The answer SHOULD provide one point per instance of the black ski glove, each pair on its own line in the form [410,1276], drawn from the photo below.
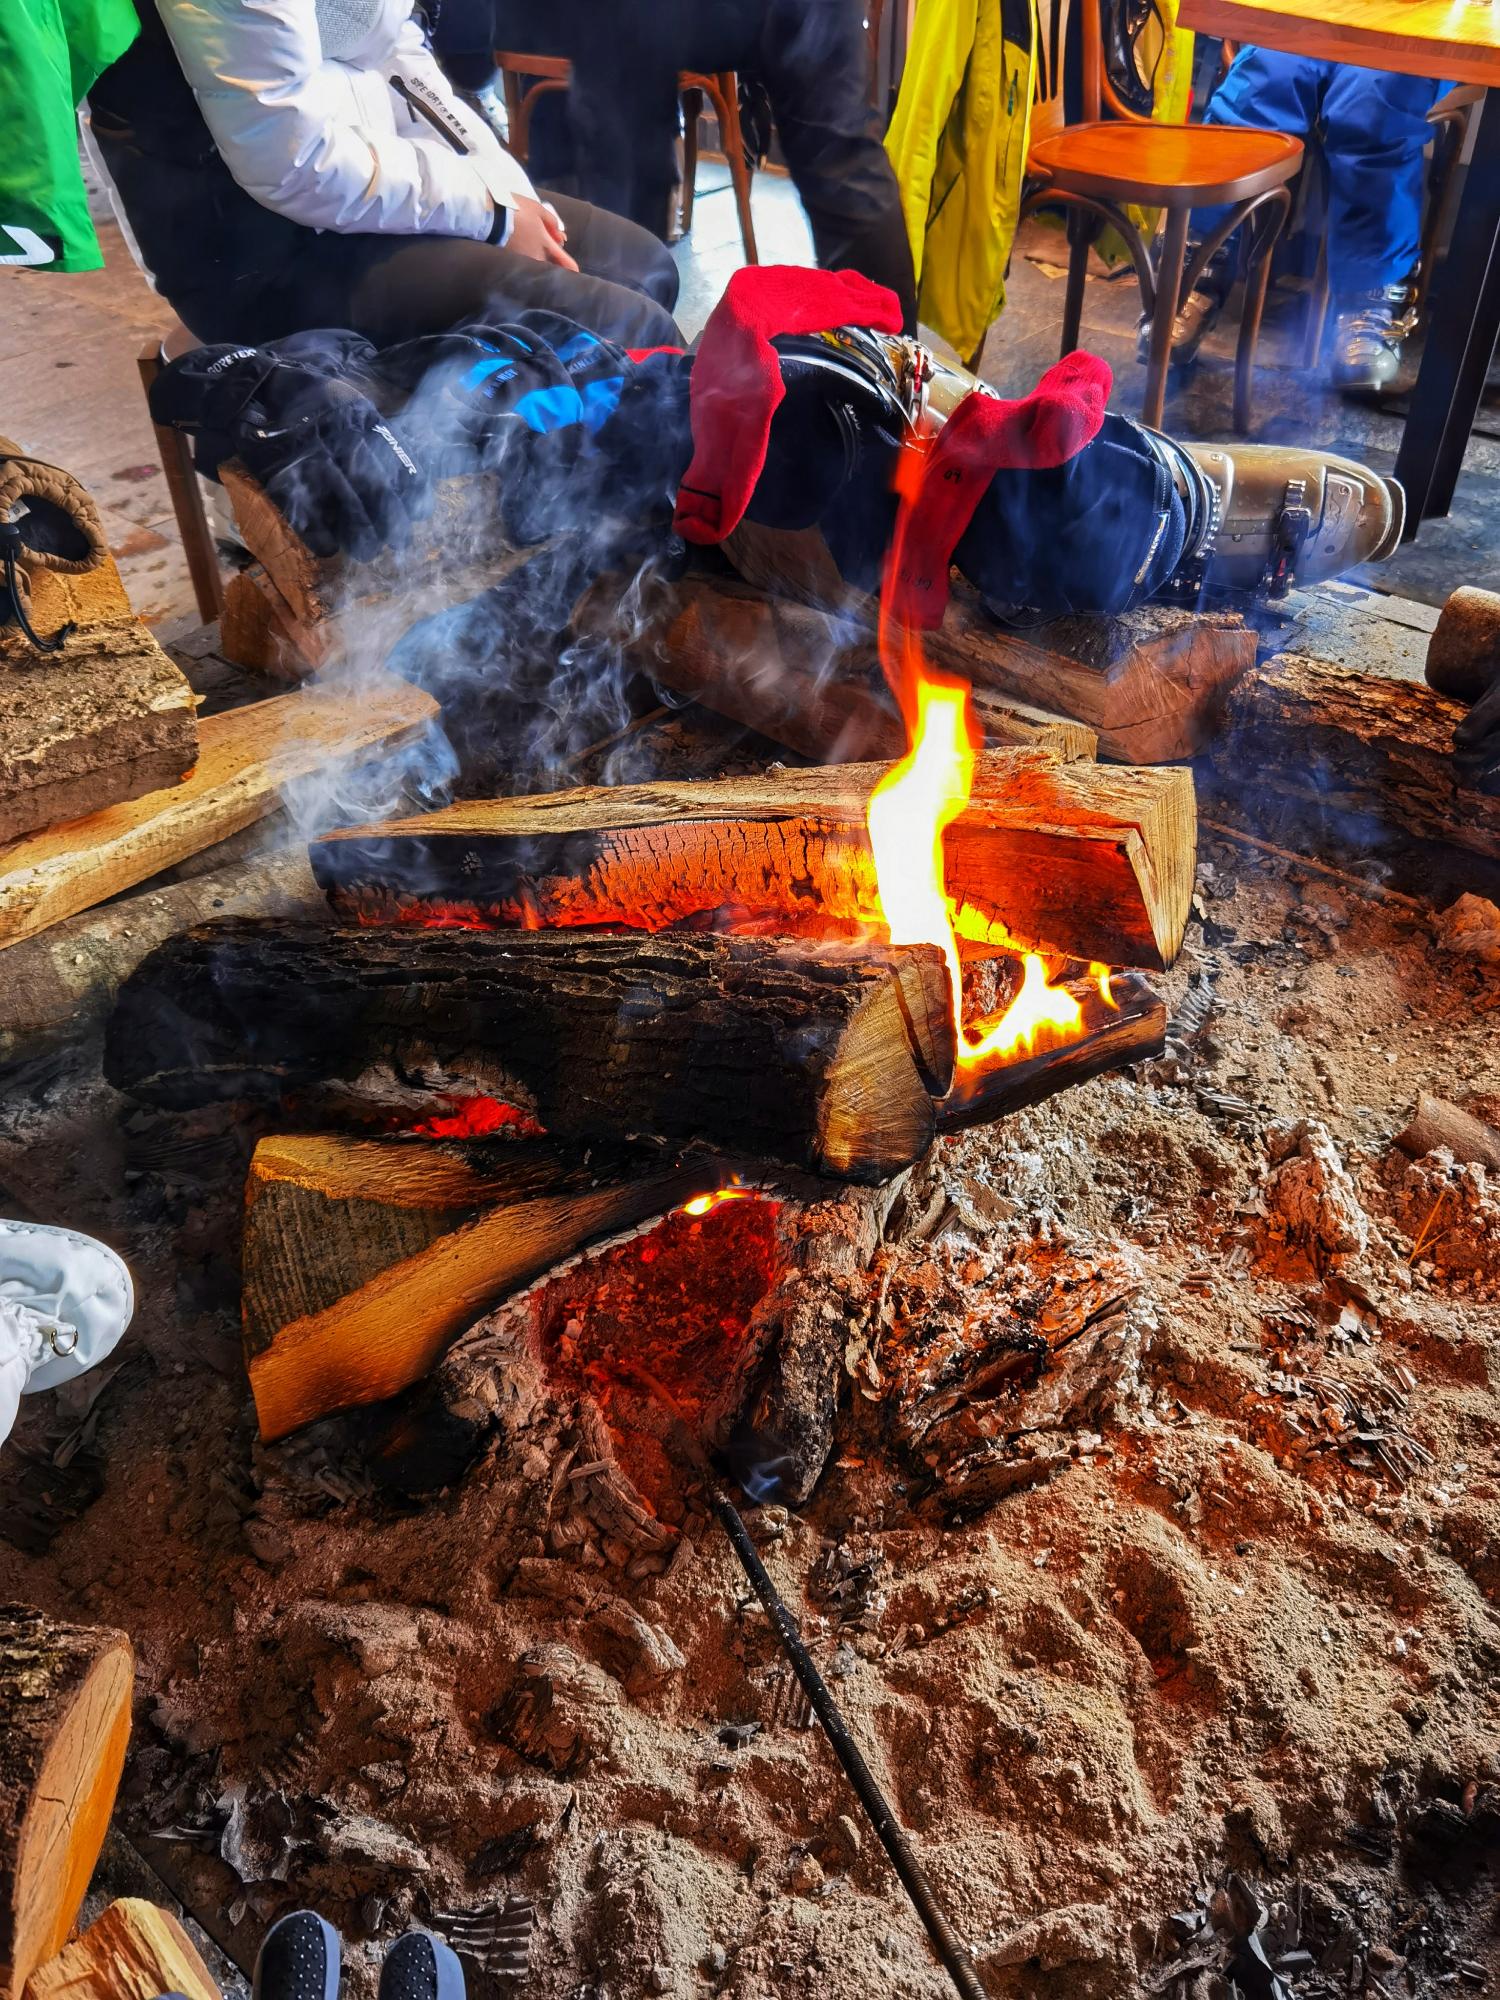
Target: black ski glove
[1476,745]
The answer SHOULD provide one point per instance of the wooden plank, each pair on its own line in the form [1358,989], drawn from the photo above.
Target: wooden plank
[245,759]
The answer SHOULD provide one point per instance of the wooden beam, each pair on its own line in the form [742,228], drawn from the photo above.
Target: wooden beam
[245,759]
[132,1951]
[365,1258]
[804,1053]
[64,1722]
[1077,859]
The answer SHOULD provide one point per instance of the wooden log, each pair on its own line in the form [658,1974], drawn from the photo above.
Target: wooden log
[258,632]
[246,758]
[799,675]
[107,718]
[64,1722]
[132,1951]
[1081,860]
[364,1258]
[1133,1029]
[811,1054]
[1152,682]
[1463,654]
[1436,1122]
[1362,759]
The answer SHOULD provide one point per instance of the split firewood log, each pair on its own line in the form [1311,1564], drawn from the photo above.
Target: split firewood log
[133,1951]
[1436,1122]
[364,1258]
[64,1723]
[812,1054]
[1083,860]
[1463,654]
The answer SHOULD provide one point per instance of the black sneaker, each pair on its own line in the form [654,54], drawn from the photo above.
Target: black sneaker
[421,1967]
[1367,337]
[299,1959]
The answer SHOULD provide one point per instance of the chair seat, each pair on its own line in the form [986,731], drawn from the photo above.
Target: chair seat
[1166,166]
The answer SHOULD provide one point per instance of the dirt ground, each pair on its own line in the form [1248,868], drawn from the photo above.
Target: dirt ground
[1160,1540]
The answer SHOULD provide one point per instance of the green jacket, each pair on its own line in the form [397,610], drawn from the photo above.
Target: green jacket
[51,52]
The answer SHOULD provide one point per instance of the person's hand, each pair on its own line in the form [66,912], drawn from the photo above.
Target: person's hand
[536,231]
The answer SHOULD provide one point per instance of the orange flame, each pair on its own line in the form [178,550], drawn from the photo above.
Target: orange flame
[704,1204]
[913,806]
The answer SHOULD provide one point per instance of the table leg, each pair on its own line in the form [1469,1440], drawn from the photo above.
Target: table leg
[1461,334]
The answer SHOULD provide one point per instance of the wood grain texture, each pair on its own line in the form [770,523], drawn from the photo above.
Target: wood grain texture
[1435,1122]
[64,1722]
[245,758]
[132,1951]
[1370,756]
[364,1259]
[1079,859]
[1458,40]
[1167,165]
[824,1057]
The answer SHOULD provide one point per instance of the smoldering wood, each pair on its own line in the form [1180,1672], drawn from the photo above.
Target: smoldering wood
[800,675]
[131,1951]
[364,1258]
[1363,761]
[1081,860]
[1463,654]
[819,1055]
[1437,1123]
[65,1693]
[1134,1030]
[245,759]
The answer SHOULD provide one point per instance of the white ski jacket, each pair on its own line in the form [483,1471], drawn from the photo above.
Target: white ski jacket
[334,114]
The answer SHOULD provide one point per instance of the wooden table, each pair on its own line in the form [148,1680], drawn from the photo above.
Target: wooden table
[1458,41]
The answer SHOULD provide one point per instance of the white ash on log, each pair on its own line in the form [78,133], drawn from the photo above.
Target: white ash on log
[364,1258]
[64,1724]
[1080,860]
[817,1055]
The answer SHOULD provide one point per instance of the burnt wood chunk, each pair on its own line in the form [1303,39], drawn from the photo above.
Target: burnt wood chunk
[812,1054]
[1081,860]
[1133,1029]
[364,1258]
[64,1722]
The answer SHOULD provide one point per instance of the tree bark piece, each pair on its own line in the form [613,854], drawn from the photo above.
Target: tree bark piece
[107,718]
[1463,654]
[64,1722]
[801,676]
[133,1951]
[1356,755]
[245,759]
[814,1055]
[1152,682]
[1082,860]
[1436,1122]
[364,1258]
[1134,1030]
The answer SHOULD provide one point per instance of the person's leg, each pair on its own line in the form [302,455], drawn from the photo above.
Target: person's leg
[1375,135]
[609,246]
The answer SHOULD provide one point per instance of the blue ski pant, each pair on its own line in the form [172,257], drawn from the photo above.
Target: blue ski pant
[1371,128]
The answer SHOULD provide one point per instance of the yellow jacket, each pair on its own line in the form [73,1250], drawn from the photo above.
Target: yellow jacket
[958,144]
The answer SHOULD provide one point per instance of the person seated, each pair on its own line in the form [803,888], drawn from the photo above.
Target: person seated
[291,164]
[1371,127]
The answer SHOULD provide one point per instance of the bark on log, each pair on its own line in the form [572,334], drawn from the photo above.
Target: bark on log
[1134,1030]
[814,1055]
[64,1722]
[107,718]
[363,1259]
[802,676]
[1081,860]
[1152,682]
[1436,1122]
[245,759]
[1356,755]
[1463,654]
[133,1951]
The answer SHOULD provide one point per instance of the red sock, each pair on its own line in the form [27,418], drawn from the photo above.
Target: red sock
[987,434]
[737,379]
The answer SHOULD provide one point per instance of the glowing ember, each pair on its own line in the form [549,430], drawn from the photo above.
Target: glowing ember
[909,812]
[478,1118]
[704,1204]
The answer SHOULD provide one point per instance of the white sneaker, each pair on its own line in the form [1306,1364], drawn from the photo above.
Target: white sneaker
[66,1299]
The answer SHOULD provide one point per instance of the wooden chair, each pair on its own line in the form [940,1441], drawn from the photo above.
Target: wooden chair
[722,91]
[176,455]
[1098,168]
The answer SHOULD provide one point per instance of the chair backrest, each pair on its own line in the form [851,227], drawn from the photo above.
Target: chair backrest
[1049,88]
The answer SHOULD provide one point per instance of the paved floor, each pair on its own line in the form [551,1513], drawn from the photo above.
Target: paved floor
[71,391]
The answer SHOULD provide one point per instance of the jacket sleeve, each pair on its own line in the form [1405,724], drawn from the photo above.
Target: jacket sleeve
[281,117]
